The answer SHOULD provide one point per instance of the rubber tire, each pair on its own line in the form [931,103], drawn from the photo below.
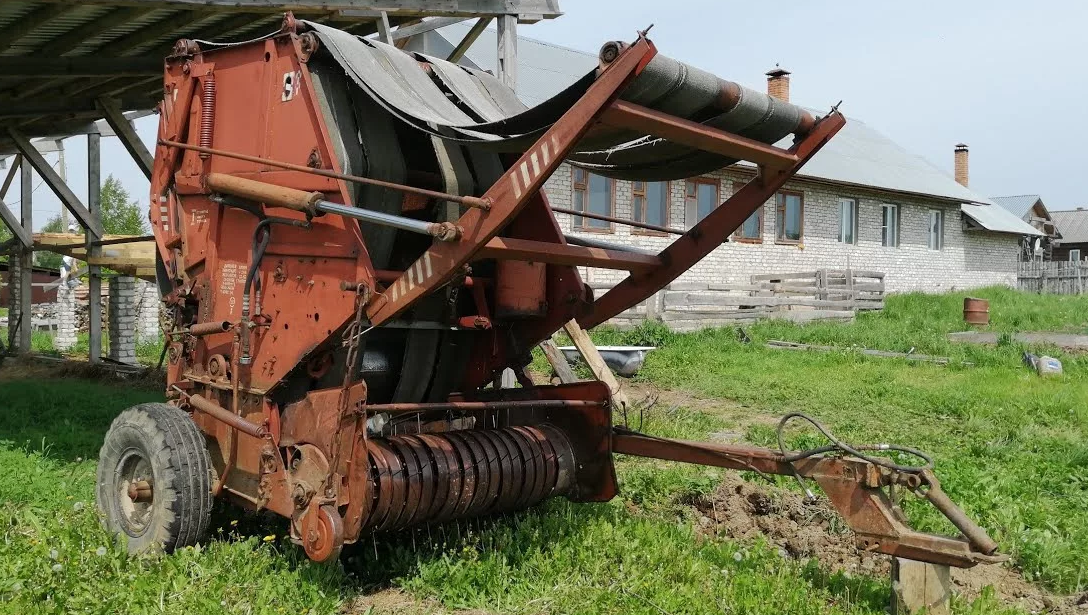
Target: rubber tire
[181,469]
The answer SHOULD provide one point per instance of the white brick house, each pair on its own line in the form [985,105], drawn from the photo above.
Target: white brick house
[862,202]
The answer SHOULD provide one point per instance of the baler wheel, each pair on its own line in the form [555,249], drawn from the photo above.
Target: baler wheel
[154,479]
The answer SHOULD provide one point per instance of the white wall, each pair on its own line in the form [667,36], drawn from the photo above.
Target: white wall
[967,260]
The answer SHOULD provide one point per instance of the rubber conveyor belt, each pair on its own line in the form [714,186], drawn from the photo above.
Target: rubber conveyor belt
[468,105]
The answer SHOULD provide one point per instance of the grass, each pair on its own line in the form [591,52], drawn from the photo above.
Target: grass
[1011,447]
[41,342]
[1008,446]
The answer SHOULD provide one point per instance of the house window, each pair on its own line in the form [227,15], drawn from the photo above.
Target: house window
[751,230]
[593,194]
[790,218]
[650,203]
[1074,255]
[889,226]
[936,229]
[848,220]
[701,197]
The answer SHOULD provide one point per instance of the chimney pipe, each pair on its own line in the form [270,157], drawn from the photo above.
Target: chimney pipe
[778,83]
[961,164]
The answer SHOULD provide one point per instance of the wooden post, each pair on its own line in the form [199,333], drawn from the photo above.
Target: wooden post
[558,361]
[507,70]
[385,35]
[26,257]
[918,585]
[94,205]
[596,363]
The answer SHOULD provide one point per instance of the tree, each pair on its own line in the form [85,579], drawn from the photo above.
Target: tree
[121,215]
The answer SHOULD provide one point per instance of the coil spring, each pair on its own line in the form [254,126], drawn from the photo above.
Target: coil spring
[207,113]
[434,477]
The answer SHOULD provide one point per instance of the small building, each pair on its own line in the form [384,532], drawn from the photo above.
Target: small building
[45,282]
[1030,209]
[1073,226]
[863,201]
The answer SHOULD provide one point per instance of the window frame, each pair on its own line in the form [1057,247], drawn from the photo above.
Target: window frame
[856,215]
[702,179]
[883,224]
[1073,251]
[758,213]
[929,229]
[575,186]
[645,203]
[779,209]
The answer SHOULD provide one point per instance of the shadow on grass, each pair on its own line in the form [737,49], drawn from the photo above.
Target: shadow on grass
[64,418]
[852,589]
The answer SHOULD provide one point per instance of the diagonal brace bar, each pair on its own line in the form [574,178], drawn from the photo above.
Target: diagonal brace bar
[55,183]
[127,134]
[709,233]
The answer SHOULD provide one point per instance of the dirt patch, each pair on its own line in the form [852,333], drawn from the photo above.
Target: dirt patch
[396,602]
[745,511]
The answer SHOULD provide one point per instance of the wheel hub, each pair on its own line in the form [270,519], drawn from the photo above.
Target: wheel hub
[135,492]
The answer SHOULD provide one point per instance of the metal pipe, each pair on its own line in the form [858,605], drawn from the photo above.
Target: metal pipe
[605,245]
[975,534]
[312,204]
[209,328]
[586,214]
[467,201]
[223,415]
[475,406]
[443,231]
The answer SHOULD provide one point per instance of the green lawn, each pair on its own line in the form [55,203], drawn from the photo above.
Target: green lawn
[1008,447]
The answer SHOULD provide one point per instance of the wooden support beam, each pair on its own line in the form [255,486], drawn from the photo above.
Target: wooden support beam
[622,114]
[34,66]
[558,361]
[919,587]
[15,225]
[26,257]
[596,363]
[55,183]
[126,132]
[94,285]
[427,25]
[507,248]
[470,38]
[507,69]
[384,33]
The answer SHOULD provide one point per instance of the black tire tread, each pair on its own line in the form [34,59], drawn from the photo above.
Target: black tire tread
[178,451]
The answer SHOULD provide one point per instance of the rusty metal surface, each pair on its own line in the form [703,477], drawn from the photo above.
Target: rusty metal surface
[225,416]
[856,488]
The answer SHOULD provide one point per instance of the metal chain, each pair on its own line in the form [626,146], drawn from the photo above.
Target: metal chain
[351,340]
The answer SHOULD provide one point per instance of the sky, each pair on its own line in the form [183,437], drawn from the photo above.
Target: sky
[1002,76]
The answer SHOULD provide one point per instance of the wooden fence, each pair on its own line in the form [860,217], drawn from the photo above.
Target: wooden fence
[1061,277]
[801,297]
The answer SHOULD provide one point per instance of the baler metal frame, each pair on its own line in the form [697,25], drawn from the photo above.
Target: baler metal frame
[311,460]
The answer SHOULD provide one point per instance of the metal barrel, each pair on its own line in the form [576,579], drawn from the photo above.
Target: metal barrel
[976,311]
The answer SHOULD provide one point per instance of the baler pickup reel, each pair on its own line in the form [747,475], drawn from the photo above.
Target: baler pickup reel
[354,242]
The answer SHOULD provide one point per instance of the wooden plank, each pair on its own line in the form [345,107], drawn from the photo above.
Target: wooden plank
[558,361]
[710,299]
[507,41]
[785,276]
[94,205]
[596,363]
[26,257]
[55,183]
[470,38]
[529,10]
[126,133]
[920,587]
[15,226]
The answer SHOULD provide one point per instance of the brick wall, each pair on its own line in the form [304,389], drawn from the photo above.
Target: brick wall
[967,260]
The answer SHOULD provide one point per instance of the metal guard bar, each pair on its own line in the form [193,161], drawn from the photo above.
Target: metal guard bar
[854,487]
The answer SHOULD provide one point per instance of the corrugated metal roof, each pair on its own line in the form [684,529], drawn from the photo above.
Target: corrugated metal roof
[1018,205]
[858,155]
[999,220]
[1073,225]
